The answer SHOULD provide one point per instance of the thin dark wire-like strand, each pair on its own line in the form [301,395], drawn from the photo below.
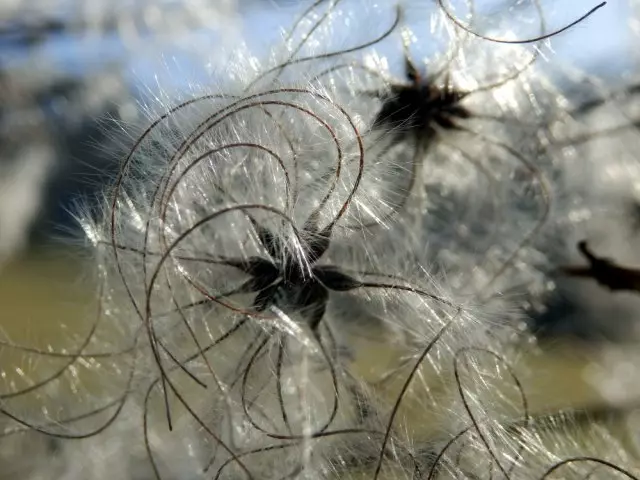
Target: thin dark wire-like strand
[166,349]
[247,357]
[200,350]
[247,404]
[119,402]
[529,420]
[148,317]
[337,53]
[458,458]
[294,155]
[125,168]
[294,473]
[303,41]
[193,414]
[324,177]
[219,260]
[167,192]
[407,288]
[331,338]
[242,289]
[325,125]
[243,375]
[404,389]
[525,403]
[225,336]
[217,117]
[331,433]
[334,381]
[167,253]
[361,162]
[193,337]
[119,184]
[169,195]
[287,182]
[491,86]
[72,358]
[185,147]
[334,409]
[152,342]
[471,416]
[600,461]
[231,262]
[279,387]
[268,448]
[239,290]
[589,105]
[406,46]
[116,194]
[219,340]
[42,429]
[443,451]
[353,65]
[46,353]
[539,38]
[201,129]
[252,402]
[458,46]
[145,430]
[179,364]
[534,57]
[302,16]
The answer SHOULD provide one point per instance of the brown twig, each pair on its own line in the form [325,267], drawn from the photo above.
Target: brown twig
[604,271]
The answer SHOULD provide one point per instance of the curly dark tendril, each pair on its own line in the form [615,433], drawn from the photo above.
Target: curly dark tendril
[197,133]
[280,278]
[294,61]
[539,38]
[405,389]
[181,398]
[424,110]
[52,428]
[586,459]
[291,275]
[476,425]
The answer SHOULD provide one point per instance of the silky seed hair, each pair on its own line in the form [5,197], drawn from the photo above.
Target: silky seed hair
[238,190]
[227,185]
[407,142]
